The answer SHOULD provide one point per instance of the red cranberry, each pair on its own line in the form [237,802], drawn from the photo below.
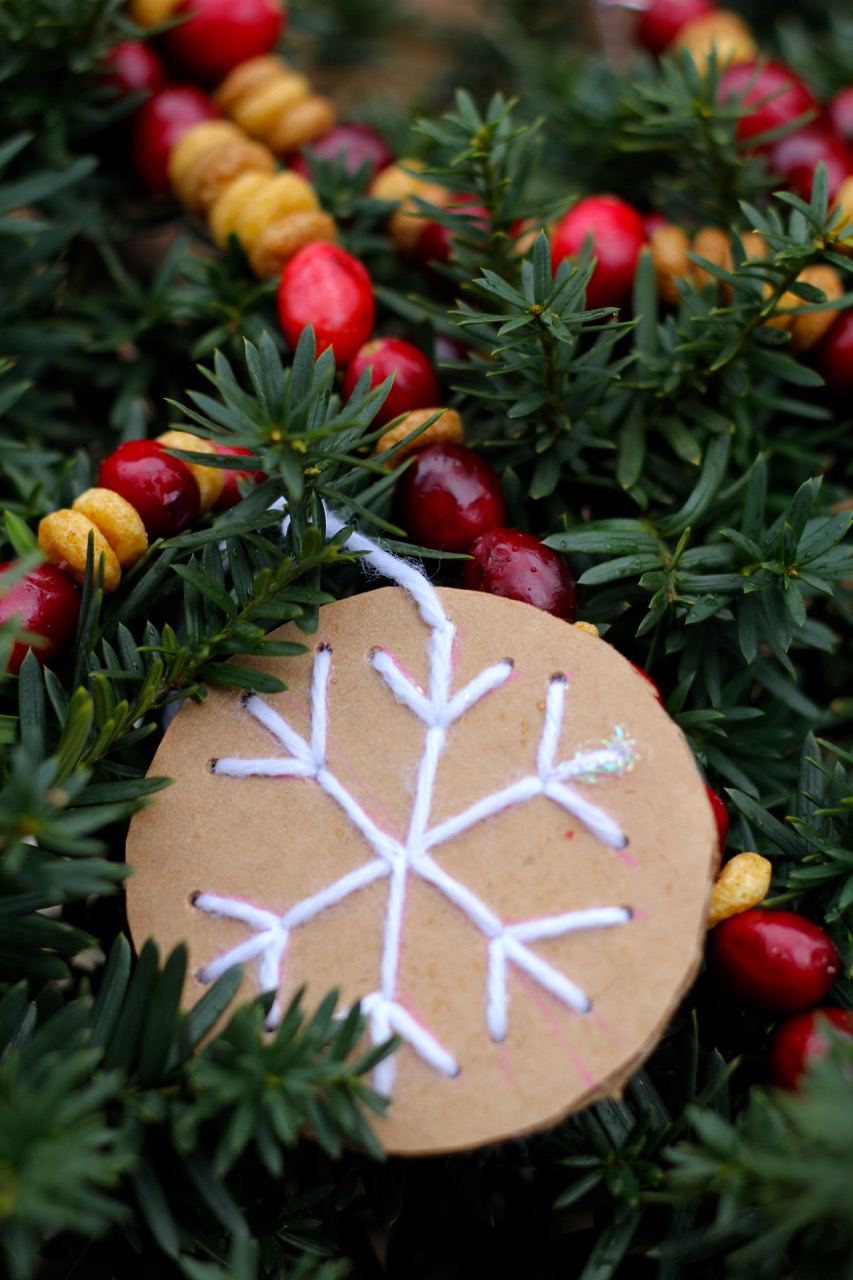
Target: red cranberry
[617,234]
[840,113]
[772,960]
[415,385]
[661,22]
[220,34]
[833,356]
[47,603]
[448,497]
[351,145]
[795,157]
[133,67]
[324,286]
[654,221]
[231,495]
[161,487]
[800,1040]
[159,124]
[721,818]
[518,566]
[773,94]
[436,241]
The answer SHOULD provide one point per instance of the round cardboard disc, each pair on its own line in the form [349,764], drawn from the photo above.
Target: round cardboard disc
[506,858]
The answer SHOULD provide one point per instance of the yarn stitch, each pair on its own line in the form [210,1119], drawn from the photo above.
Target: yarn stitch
[395,860]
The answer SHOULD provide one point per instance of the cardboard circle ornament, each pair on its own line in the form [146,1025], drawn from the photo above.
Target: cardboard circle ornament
[467,814]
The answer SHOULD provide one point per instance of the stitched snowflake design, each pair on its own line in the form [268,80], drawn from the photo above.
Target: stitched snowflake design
[438,708]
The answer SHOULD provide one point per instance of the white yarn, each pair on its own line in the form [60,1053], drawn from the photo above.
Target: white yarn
[438,709]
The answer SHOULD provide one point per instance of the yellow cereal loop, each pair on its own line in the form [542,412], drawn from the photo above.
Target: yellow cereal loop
[711,243]
[300,124]
[279,240]
[210,480]
[119,522]
[589,627]
[669,247]
[742,884]
[447,427]
[215,170]
[247,77]
[395,183]
[807,330]
[720,32]
[198,140]
[152,13]
[64,538]
[224,213]
[844,202]
[283,194]
[258,112]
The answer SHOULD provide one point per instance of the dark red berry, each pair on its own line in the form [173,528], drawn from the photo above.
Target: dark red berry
[518,566]
[660,23]
[772,960]
[833,356]
[133,67]
[220,34]
[161,487]
[231,495]
[47,603]
[159,124]
[800,1040]
[769,94]
[350,145]
[840,113]
[795,157]
[324,286]
[415,385]
[617,234]
[448,497]
[721,818]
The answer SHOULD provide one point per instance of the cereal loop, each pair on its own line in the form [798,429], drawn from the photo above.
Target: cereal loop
[64,538]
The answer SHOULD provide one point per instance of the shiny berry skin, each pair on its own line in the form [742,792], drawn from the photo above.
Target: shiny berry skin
[518,566]
[833,356]
[840,113]
[350,145]
[800,1040]
[772,95]
[415,385]
[220,34]
[231,495]
[157,126]
[617,234]
[324,286]
[161,487]
[47,603]
[658,25]
[721,818]
[794,159]
[448,497]
[133,67]
[772,960]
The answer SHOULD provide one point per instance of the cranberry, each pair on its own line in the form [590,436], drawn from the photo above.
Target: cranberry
[661,22]
[350,145]
[324,286]
[840,113]
[436,241]
[448,497]
[220,34]
[161,487]
[799,1040]
[518,566]
[772,960]
[795,157]
[133,67]
[769,94]
[47,603]
[231,495]
[721,818]
[158,125]
[415,385]
[833,356]
[617,234]
[654,222]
